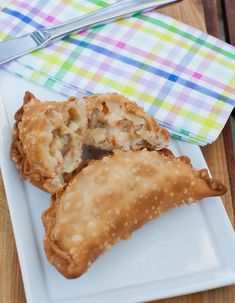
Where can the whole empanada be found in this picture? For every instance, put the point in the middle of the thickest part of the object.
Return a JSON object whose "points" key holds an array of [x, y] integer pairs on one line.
{"points": [[111, 197]]}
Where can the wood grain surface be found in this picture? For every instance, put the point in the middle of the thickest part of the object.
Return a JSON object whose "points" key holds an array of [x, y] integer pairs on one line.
{"points": [[11, 286], [217, 10], [229, 11], [211, 9]]}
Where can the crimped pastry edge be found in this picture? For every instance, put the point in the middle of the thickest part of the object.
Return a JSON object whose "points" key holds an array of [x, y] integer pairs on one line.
{"points": [[67, 266], [19, 158], [17, 154]]}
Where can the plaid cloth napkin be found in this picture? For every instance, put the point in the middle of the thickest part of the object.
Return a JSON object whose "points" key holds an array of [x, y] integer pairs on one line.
{"points": [[180, 75]]}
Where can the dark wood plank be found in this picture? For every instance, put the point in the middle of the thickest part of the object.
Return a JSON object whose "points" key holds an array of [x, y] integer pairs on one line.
{"points": [[228, 7], [228, 142], [229, 14], [211, 17]]}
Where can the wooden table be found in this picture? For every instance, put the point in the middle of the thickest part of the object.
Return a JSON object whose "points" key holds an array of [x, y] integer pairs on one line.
{"points": [[11, 286]]}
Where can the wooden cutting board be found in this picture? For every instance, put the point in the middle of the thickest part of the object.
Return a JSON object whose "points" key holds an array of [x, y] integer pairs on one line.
{"points": [[11, 286]]}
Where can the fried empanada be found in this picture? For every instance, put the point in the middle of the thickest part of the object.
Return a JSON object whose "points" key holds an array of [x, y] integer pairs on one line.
{"points": [[48, 137], [47, 140], [111, 197], [114, 122]]}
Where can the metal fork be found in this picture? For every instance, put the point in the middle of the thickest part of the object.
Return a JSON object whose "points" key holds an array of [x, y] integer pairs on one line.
{"points": [[19, 46]]}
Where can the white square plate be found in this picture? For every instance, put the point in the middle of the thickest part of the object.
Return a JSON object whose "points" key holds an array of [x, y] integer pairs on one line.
{"points": [[189, 249]]}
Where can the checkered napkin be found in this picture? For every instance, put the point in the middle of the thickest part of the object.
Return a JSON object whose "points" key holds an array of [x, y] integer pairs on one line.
{"points": [[180, 75]]}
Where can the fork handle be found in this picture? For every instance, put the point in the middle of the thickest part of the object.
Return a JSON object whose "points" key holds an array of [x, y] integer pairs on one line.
{"points": [[102, 16]]}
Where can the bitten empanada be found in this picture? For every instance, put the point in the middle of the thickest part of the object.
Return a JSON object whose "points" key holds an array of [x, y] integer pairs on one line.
{"points": [[47, 140], [114, 122], [111, 197], [48, 137]]}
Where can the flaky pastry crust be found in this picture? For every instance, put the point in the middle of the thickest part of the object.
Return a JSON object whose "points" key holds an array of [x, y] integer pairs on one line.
{"points": [[110, 198], [48, 137], [47, 140]]}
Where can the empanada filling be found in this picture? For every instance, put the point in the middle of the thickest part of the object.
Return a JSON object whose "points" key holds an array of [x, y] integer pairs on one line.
{"points": [[65, 146], [112, 126]]}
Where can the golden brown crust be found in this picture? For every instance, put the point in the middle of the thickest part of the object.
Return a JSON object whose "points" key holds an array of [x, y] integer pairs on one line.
{"points": [[137, 186], [17, 153], [54, 253], [33, 137], [38, 149]]}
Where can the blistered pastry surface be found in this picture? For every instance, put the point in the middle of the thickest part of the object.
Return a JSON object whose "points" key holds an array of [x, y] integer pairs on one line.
{"points": [[112, 197]]}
